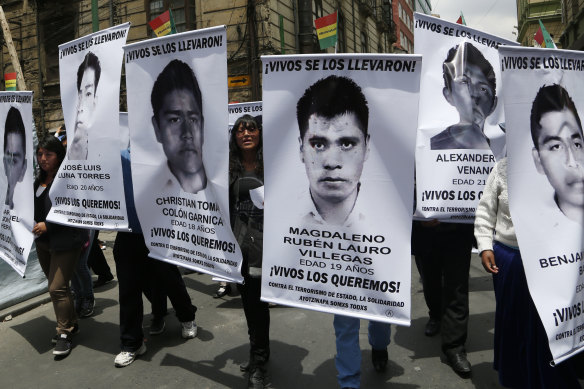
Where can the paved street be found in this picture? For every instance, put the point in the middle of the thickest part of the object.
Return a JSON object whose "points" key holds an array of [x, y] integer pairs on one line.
{"points": [[302, 346]]}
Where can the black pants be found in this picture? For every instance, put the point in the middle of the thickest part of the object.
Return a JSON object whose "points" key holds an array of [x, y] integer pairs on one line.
{"points": [[445, 264], [257, 315], [96, 260], [169, 282], [137, 273]]}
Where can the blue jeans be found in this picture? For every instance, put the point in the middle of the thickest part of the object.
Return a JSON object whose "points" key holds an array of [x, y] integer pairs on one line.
{"points": [[348, 359], [81, 282]]}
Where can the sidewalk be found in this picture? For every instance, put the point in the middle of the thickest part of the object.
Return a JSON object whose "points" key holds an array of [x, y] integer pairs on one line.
{"points": [[302, 345]]}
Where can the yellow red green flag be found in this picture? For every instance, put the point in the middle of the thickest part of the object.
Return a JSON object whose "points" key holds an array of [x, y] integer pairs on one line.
{"points": [[326, 29], [163, 25], [10, 81]]}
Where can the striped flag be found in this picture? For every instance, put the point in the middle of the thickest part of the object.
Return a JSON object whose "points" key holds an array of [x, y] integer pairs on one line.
{"points": [[543, 37], [163, 25], [461, 19], [10, 81], [326, 29]]}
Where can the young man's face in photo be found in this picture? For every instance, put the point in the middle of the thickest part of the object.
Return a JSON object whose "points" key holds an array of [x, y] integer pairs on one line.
{"points": [[86, 100], [14, 159], [471, 94], [561, 156], [333, 152], [180, 131]]}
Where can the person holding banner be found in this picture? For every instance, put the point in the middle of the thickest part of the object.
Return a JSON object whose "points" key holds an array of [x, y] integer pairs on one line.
{"points": [[558, 148], [14, 153], [138, 273], [521, 352], [88, 75], [58, 246], [469, 86], [333, 118], [177, 105], [246, 172]]}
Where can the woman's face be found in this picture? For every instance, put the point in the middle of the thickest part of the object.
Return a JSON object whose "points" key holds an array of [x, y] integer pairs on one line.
{"points": [[48, 160], [247, 138]]}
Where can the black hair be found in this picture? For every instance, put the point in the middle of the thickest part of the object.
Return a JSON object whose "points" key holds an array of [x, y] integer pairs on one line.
{"points": [[235, 165], [330, 97], [14, 125], [53, 144], [550, 98], [90, 61], [472, 56], [177, 75]]}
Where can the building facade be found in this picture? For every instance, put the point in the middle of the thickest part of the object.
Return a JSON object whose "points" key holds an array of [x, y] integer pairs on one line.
{"points": [[573, 16], [254, 28], [423, 6], [404, 25], [529, 12]]}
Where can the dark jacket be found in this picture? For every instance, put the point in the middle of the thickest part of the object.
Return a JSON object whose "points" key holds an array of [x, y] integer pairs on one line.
{"points": [[59, 237]]}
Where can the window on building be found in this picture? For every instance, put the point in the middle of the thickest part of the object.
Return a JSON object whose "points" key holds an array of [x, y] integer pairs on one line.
{"points": [[364, 42], [57, 25], [183, 12], [318, 12]]}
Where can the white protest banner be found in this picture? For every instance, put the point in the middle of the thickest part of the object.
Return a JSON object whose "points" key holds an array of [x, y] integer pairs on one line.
{"points": [[461, 124], [237, 110], [177, 99], [544, 104], [88, 189], [16, 235], [339, 137]]}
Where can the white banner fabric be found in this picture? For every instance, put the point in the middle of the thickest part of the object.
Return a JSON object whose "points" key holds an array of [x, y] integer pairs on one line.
{"points": [[461, 124], [16, 235], [544, 100], [88, 190], [237, 110], [339, 197], [177, 94]]}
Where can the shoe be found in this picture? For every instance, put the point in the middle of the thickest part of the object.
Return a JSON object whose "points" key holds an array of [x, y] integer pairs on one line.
{"points": [[101, 244], [432, 327], [125, 358], [63, 345], [189, 329], [222, 291], [459, 363], [379, 359], [73, 332], [101, 281], [157, 325], [86, 309], [244, 366], [257, 378]]}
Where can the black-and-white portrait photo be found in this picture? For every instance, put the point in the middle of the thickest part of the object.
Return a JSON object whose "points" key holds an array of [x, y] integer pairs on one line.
{"points": [[558, 148], [333, 117], [177, 119], [470, 87], [14, 153], [88, 75]]}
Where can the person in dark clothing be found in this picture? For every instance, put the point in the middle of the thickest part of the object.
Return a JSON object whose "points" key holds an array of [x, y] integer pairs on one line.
{"points": [[443, 251], [246, 172], [58, 246]]}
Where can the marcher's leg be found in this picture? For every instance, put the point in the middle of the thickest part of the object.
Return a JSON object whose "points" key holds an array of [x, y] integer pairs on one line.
{"points": [[379, 338], [129, 253], [173, 284], [257, 315], [61, 270], [348, 358], [98, 263]]}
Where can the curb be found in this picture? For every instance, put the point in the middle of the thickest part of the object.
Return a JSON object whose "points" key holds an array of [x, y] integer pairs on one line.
{"points": [[24, 306]]}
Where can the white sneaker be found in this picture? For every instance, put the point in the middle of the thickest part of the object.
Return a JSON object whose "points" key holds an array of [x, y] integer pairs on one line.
{"points": [[127, 357], [189, 329]]}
